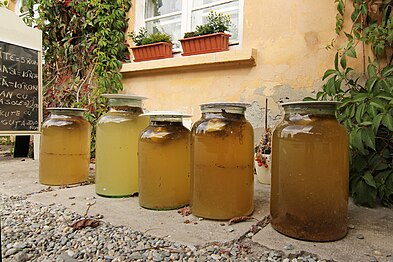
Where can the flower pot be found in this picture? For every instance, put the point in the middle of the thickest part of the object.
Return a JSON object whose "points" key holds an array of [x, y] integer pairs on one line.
{"points": [[205, 44], [152, 51], [264, 173]]}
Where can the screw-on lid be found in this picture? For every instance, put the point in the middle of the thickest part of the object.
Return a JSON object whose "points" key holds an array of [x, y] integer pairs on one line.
{"points": [[66, 110], [124, 96], [229, 107], [166, 115], [124, 100], [311, 103]]}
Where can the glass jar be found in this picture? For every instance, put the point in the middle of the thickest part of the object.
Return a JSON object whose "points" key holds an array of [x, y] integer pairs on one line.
{"points": [[222, 155], [164, 162], [117, 146], [65, 147], [309, 190]]}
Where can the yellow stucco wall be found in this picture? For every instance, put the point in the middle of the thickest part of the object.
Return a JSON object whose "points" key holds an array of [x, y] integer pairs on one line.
{"points": [[290, 39]]}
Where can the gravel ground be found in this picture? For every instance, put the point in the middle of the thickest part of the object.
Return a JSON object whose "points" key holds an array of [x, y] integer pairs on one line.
{"points": [[33, 232]]}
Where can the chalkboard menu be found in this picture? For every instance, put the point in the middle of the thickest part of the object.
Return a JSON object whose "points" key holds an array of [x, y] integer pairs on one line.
{"points": [[19, 88]]}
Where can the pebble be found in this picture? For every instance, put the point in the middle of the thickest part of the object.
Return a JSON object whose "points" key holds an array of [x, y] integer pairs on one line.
{"points": [[231, 229], [21, 257], [350, 226], [289, 247], [377, 253], [360, 236], [215, 257], [10, 252]]}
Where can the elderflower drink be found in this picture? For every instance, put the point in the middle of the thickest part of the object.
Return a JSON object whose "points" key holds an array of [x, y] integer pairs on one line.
{"points": [[222, 173], [64, 147], [117, 146], [309, 194], [164, 162]]}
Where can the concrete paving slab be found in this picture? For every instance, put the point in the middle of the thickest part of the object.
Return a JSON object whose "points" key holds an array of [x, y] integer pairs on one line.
{"points": [[19, 176]]}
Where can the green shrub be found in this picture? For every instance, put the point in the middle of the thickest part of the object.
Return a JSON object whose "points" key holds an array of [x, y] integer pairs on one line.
{"points": [[216, 23], [143, 38], [367, 102]]}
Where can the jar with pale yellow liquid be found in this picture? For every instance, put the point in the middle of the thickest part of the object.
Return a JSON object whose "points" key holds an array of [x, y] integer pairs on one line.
{"points": [[164, 162], [309, 189], [117, 146], [222, 167], [64, 147]]}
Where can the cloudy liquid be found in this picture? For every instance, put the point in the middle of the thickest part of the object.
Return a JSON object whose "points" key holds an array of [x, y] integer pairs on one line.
{"points": [[222, 168], [164, 164], [64, 151], [309, 195], [117, 154]]}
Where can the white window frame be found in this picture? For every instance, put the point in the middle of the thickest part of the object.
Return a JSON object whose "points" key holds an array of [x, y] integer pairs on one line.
{"points": [[187, 9]]}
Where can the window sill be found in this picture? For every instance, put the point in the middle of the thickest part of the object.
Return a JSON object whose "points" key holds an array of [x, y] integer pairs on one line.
{"points": [[232, 59]]}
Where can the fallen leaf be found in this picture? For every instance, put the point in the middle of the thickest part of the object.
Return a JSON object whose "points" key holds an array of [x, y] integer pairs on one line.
{"points": [[239, 219], [184, 211], [85, 222]]}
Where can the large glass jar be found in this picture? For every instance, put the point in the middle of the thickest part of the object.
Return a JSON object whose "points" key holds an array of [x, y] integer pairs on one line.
{"points": [[222, 175], [164, 162], [65, 147], [309, 190], [117, 146]]}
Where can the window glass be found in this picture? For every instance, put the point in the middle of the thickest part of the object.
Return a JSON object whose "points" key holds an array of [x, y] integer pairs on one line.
{"points": [[170, 26], [175, 17], [161, 7], [198, 3], [200, 16]]}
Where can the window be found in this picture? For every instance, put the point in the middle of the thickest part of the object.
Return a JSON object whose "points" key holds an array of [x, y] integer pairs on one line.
{"points": [[175, 17]]}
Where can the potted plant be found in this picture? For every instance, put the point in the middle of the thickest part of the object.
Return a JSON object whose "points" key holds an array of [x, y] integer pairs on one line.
{"points": [[262, 155], [151, 46], [209, 37]]}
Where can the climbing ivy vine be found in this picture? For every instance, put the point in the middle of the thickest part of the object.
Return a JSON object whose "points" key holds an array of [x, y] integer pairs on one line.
{"points": [[367, 101], [84, 44]]}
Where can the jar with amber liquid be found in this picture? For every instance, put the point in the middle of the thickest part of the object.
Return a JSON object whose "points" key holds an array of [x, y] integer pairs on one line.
{"points": [[222, 174], [117, 146], [164, 162], [65, 147], [309, 189]]}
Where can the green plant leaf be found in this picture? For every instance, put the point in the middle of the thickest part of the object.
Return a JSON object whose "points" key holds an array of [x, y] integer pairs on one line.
{"points": [[387, 71], [351, 52], [360, 112], [363, 193], [371, 71], [336, 62], [377, 122], [369, 179], [356, 139], [343, 61], [378, 103], [371, 83], [368, 137], [328, 73], [360, 97], [387, 120]]}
